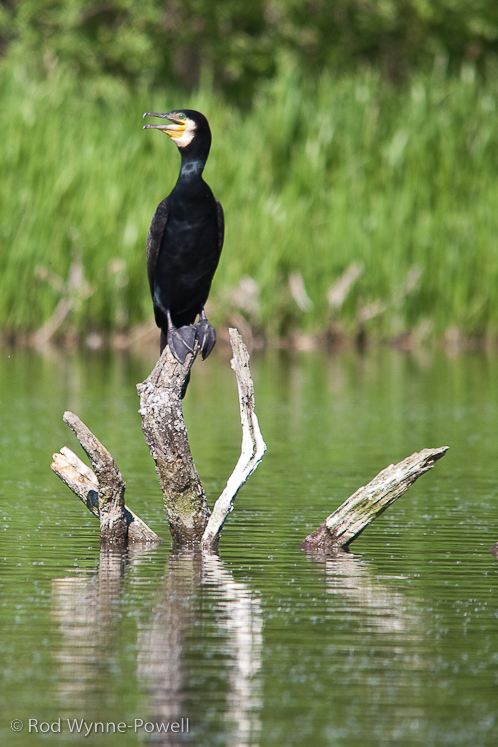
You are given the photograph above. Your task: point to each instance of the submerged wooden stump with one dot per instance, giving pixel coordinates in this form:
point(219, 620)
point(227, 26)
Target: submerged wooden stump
point(102, 490)
point(165, 433)
point(190, 521)
point(351, 518)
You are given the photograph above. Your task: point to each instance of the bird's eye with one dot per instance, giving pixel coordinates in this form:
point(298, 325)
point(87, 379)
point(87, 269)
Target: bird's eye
point(181, 116)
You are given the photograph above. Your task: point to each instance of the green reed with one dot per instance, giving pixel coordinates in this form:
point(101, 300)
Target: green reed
point(314, 177)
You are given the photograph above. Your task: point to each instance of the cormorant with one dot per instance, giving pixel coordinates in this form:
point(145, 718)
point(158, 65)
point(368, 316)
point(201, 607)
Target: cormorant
point(185, 241)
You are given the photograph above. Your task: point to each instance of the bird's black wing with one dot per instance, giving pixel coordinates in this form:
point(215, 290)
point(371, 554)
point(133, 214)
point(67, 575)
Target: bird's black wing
point(156, 232)
point(221, 225)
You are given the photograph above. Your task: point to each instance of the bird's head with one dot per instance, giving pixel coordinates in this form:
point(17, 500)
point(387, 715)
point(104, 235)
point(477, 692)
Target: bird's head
point(184, 126)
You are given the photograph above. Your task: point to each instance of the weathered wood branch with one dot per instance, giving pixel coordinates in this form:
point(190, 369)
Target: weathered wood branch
point(360, 509)
point(189, 518)
point(113, 525)
point(253, 447)
point(166, 436)
point(102, 490)
point(65, 466)
point(118, 524)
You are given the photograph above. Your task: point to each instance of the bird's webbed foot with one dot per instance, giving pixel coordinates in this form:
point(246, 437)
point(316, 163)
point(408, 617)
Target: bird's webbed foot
point(181, 341)
point(206, 334)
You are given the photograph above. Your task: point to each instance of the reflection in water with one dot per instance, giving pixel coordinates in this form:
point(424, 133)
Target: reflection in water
point(160, 660)
point(87, 611)
point(380, 607)
point(388, 621)
point(243, 621)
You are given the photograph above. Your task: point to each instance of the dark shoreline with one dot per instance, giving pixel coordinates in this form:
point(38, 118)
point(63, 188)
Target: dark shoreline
point(144, 339)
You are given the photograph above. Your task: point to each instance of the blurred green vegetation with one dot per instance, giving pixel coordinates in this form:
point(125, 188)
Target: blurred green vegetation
point(240, 42)
point(314, 177)
point(345, 135)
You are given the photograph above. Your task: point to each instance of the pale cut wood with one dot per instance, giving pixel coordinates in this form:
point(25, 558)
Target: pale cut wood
point(359, 510)
point(80, 465)
point(83, 482)
point(87, 490)
point(253, 447)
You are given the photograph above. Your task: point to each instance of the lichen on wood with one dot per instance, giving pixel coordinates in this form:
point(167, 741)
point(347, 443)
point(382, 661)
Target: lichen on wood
point(346, 523)
point(166, 436)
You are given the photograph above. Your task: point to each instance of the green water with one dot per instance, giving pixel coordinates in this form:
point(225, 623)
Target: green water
point(395, 644)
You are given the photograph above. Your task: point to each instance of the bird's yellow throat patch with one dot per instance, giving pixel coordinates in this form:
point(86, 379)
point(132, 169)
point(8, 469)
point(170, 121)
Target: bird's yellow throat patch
point(177, 132)
point(183, 132)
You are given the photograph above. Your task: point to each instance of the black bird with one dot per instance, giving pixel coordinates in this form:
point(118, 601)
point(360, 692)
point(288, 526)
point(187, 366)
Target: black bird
point(185, 241)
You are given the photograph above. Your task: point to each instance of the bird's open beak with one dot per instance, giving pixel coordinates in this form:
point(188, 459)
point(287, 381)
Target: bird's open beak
point(174, 130)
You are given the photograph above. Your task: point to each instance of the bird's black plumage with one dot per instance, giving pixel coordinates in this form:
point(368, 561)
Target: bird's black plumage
point(185, 241)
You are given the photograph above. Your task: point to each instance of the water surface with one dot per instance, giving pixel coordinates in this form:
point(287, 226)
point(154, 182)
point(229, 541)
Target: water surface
point(393, 644)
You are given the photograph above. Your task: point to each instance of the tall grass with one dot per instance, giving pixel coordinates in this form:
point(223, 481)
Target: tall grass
point(314, 177)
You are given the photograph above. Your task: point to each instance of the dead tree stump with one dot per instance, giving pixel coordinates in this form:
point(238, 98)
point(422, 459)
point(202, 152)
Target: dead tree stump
point(166, 436)
point(189, 518)
point(347, 522)
point(191, 523)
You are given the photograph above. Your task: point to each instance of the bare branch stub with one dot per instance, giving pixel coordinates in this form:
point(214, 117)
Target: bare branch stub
point(81, 485)
point(113, 524)
point(83, 482)
point(253, 447)
point(359, 510)
point(166, 436)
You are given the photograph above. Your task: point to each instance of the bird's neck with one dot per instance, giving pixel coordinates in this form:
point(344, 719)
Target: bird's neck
point(194, 157)
point(191, 167)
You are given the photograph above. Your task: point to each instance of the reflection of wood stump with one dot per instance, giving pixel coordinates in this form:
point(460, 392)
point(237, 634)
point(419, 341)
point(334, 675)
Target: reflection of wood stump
point(161, 660)
point(88, 614)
